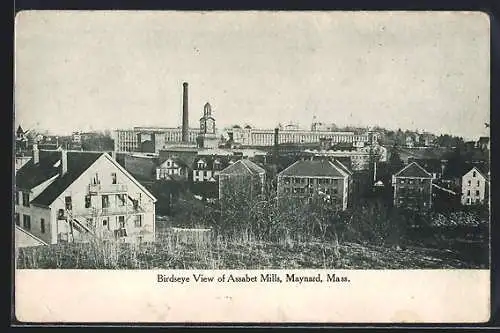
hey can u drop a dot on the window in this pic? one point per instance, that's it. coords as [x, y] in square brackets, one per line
[468, 193]
[104, 223]
[468, 182]
[478, 183]
[67, 203]
[105, 201]
[477, 192]
[402, 181]
[17, 197]
[88, 202]
[18, 222]
[27, 222]
[121, 221]
[474, 174]
[468, 200]
[42, 226]
[26, 199]
[60, 213]
[121, 199]
[113, 178]
[138, 221]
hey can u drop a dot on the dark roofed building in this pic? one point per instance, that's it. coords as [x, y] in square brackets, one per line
[323, 179]
[413, 187]
[68, 196]
[242, 178]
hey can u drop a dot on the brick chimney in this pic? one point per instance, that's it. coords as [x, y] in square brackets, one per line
[36, 154]
[275, 147]
[64, 162]
[185, 117]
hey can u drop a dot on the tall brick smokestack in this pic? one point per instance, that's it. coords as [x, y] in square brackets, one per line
[185, 116]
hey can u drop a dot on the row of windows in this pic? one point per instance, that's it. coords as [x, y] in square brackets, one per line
[303, 190]
[477, 193]
[202, 173]
[25, 198]
[411, 181]
[469, 183]
[470, 201]
[293, 180]
[120, 200]
[27, 222]
[121, 221]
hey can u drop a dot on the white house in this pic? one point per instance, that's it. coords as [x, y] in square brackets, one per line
[172, 167]
[475, 187]
[64, 196]
[207, 168]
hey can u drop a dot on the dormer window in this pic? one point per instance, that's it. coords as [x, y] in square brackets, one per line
[201, 164]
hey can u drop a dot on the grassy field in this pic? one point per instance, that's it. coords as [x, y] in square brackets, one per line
[436, 247]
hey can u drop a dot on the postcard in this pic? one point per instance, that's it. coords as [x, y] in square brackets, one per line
[251, 167]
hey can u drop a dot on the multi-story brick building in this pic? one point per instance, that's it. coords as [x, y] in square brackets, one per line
[265, 137]
[242, 178]
[324, 179]
[413, 187]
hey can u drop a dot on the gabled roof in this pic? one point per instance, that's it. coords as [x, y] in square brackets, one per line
[209, 160]
[413, 170]
[430, 164]
[252, 166]
[78, 162]
[342, 167]
[31, 175]
[315, 168]
[176, 160]
[242, 167]
[482, 170]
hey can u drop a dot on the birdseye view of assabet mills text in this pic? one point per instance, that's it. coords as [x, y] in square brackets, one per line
[339, 157]
[251, 278]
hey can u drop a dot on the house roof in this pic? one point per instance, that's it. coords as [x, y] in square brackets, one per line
[31, 175]
[78, 162]
[243, 166]
[484, 139]
[413, 170]
[180, 162]
[342, 166]
[315, 168]
[209, 160]
[252, 166]
[482, 169]
[429, 164]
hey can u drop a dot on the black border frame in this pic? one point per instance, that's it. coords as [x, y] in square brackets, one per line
[490, 7]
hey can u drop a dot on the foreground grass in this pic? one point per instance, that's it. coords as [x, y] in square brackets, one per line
[169, 253]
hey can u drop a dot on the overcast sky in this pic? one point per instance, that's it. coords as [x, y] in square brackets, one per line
[82, 70]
